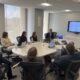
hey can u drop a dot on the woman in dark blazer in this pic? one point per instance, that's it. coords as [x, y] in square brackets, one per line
[34, 37]
[22, 39]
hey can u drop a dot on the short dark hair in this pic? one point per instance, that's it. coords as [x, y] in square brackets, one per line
[24, 32]
[4, 34]
[33, 33]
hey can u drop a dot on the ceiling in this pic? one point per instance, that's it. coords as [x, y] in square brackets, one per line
[57, 5]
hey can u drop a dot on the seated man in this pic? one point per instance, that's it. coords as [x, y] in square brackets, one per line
[7, 67]
[50, 35]
[64, 51]
[61, 63]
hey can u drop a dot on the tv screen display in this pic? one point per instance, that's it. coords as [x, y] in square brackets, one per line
[74, 26]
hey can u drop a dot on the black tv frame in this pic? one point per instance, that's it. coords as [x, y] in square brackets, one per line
[68, 27]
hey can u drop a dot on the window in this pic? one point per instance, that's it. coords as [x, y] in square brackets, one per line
[13, 21]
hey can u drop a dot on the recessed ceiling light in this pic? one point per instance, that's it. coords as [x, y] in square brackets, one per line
[67, 10]
[45, 4]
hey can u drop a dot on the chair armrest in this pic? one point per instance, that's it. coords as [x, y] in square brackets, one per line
[76, 75]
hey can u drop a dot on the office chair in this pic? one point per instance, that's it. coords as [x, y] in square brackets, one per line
[32, 71]
[31, 38]
[46, 39]
[47, 60]
[18, 38]
[2, 71]
[0, 41]
[55, 34]
[7, 52]
[72, 70]
[8, 55]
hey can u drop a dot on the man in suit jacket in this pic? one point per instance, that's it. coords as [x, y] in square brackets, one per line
[7, 67]
[71, 46]
[61, 63]
[70, 54]
[50, 35]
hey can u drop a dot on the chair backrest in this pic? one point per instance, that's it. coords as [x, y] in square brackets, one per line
[2, 71]
[46, 39]
[47, 59]
[18, 38]
[72, 69]
[32, 71]
[31, 38]
[55, 34]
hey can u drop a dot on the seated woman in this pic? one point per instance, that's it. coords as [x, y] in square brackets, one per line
[5, 41]
[34, 37]
[23, 39]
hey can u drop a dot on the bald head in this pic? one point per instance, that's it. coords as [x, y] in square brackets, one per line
[32, 53]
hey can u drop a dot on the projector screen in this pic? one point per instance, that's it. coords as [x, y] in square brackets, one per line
[74, 26]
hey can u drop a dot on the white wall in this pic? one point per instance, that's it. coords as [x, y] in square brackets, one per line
[59, 22]
[2, 19]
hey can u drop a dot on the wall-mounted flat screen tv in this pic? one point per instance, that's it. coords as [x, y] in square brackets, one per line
[74, 26]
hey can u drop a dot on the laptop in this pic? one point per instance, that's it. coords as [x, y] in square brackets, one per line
[51, 44]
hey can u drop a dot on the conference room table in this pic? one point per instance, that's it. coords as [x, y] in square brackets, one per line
[42, 48]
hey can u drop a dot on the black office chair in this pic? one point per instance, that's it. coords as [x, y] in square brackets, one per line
[2, 71]
[6, 52]
[47, 40]
[18, 38]
[72, 70]
[32, 71]
[55, 34]
[31, 38]
[47, 60]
